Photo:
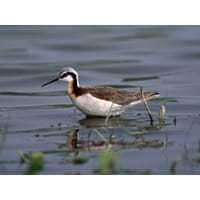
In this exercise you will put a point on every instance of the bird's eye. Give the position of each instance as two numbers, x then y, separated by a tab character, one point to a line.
63	75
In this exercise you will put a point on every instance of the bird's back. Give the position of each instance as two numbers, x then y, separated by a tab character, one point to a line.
121	97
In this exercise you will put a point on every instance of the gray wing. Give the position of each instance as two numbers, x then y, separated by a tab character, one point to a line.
121	97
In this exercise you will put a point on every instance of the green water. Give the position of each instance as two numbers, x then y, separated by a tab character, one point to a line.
35	119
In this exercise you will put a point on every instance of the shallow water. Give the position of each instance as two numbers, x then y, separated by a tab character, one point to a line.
32	119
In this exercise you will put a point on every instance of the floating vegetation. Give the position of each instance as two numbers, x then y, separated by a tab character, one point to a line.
34	160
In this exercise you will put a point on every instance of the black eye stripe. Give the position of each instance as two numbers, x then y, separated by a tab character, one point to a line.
63	75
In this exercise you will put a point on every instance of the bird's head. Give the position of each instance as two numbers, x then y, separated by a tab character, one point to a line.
67	74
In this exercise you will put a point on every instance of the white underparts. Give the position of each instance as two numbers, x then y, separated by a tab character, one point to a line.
93	106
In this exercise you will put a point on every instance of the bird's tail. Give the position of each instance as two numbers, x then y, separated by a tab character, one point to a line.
147	95
150	95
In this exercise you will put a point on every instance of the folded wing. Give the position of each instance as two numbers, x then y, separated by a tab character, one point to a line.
120	97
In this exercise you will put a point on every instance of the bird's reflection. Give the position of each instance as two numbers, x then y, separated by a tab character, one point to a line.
72	139
100	122
76	144
118	132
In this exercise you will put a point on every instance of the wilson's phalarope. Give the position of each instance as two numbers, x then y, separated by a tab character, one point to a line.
99	101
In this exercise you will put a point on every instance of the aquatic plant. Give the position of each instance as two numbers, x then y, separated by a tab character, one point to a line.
34	160
108	160
162	115
173	167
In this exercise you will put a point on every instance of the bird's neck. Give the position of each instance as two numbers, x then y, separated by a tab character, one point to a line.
73	87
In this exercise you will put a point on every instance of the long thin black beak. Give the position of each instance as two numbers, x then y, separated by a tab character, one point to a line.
54	80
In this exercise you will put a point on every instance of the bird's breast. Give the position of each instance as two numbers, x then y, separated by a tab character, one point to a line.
91	105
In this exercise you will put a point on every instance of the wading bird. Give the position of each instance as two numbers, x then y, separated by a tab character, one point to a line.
99	101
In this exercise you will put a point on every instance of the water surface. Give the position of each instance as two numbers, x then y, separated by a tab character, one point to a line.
32	119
